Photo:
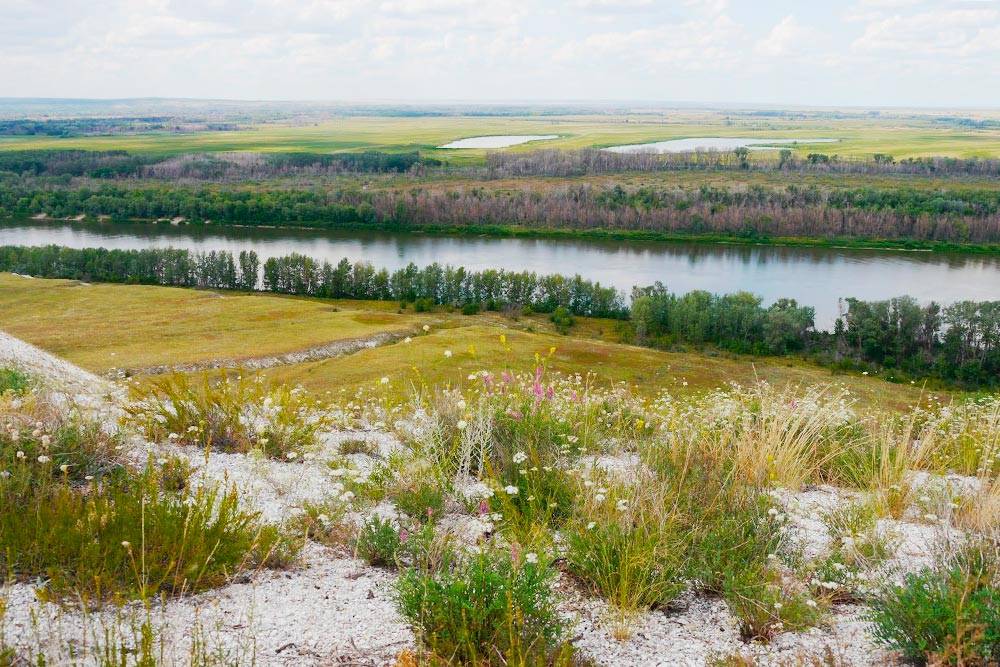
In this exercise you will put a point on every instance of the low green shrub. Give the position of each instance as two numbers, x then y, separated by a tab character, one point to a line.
380	542
13	381
470	308
489	609
948	613
563	319
421	499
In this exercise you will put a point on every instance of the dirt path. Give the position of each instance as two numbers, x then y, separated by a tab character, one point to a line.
337	348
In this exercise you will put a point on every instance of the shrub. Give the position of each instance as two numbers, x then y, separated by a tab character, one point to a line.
563	319
13	381
421	499
470	308
948	613
489	609
736	542
380	542
230	414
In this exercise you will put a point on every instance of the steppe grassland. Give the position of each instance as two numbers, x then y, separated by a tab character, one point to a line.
900	137
103	327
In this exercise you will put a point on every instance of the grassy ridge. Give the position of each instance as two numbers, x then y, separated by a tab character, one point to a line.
101	327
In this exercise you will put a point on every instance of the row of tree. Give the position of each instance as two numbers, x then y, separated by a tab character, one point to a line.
955	215
298	274
506	164
117	164
959	343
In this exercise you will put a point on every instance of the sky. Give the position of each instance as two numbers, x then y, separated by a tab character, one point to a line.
772	52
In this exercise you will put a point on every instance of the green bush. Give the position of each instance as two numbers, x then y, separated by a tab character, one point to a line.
949	613
487	610
470	308
563	319
13	381
380	542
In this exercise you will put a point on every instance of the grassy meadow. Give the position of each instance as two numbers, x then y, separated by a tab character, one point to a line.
903	136
105	327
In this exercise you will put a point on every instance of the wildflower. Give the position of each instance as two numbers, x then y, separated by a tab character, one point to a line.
778	605
347	496
447	354
404	535
531	557
193	429
43	459
461	425
599	497
290	455
161	462
621	505
811	604
20	454
407	340
426	328
126	544
511	490
384	380
591	525
520	457
64	468
89	478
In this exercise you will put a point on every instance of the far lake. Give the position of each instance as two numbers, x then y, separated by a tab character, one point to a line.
498	140
710	144
814	276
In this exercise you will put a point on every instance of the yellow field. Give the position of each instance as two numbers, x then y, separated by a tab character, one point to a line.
901	137
102	327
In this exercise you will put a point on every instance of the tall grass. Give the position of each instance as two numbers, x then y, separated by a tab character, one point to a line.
93	528
228	413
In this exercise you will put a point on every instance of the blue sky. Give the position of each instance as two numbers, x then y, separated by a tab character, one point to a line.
857	52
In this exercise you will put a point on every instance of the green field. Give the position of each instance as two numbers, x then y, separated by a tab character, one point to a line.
904	136
104	327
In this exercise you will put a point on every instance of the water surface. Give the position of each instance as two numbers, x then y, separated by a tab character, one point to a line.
498	140
814	276
710	144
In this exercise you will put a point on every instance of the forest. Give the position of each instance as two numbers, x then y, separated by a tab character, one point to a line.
955	216
958	344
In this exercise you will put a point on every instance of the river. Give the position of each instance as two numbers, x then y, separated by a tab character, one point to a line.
814	276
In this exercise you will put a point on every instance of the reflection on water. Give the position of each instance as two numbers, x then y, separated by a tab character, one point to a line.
814	276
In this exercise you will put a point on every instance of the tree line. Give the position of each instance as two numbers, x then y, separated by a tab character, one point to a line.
298	274
958	215
554	162
118	164
901	338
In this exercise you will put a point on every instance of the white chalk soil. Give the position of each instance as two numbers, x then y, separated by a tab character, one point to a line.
332	609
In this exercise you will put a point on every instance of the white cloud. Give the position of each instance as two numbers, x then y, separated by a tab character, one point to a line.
786	37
